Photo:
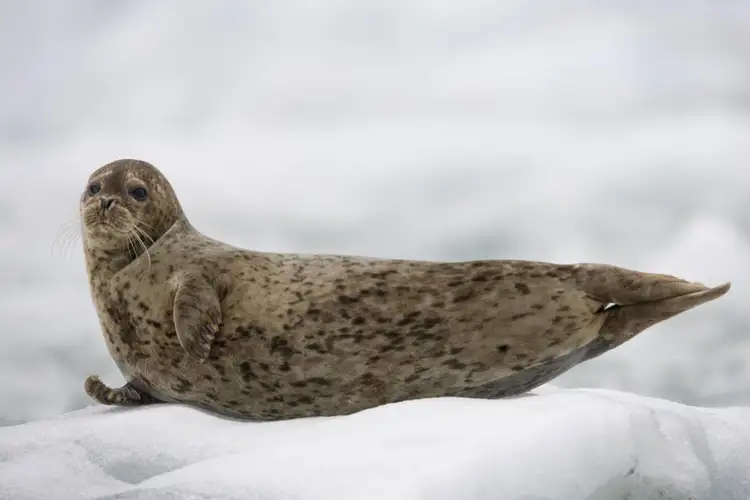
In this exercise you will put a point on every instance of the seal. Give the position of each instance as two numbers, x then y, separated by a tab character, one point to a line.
268	336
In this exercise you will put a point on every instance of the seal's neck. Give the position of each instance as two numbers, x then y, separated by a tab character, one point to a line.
106	257
103	263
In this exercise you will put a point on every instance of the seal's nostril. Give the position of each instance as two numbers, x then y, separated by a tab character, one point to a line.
107	203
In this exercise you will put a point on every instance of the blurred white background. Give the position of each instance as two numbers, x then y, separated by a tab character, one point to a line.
613	131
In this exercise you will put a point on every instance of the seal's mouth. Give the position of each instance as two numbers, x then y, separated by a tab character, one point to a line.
116	228
98	224
108	226
112	220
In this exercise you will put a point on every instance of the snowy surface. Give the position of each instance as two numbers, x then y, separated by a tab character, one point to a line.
552	445
608	131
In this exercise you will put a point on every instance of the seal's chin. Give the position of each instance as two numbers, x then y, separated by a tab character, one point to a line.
103	234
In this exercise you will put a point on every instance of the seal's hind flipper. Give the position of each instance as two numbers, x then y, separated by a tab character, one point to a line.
617	285
622	324
127	395
625	322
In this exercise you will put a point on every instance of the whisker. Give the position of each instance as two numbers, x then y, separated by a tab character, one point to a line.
137	223
132	250
66	237
148	254
72	240
144	234
142	223
145	248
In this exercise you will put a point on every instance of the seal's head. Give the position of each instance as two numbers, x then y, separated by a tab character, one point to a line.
127	204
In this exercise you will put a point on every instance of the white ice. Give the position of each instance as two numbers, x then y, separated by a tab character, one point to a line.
555	444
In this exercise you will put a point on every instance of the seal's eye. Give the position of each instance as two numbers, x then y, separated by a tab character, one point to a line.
139	193
94	188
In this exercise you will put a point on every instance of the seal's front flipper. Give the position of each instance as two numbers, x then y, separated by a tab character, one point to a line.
625	322
197	315
126	395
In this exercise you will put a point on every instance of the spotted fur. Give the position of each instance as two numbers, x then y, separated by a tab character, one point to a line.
268	336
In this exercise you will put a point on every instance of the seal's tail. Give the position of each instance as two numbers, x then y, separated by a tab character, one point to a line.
639	300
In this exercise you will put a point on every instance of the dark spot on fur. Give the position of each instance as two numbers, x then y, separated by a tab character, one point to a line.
248	331
430	322
246	371
319	381
317	348
408	318
182	386
280	345
479	278
523	288
454	364
463	298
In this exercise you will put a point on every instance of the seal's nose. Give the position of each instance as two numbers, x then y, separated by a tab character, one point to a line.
107	203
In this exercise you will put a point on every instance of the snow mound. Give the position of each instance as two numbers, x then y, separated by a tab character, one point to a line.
549	445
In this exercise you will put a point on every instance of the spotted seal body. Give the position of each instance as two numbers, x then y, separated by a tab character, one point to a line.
267	336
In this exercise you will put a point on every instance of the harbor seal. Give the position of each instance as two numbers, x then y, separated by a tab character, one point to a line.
269	336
